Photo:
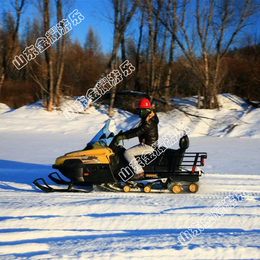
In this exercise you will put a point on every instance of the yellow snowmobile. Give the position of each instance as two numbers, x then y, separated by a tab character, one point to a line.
102	164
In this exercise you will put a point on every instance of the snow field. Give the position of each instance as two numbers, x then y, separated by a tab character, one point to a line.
105	225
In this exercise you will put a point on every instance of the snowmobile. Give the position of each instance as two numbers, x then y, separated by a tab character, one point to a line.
101	164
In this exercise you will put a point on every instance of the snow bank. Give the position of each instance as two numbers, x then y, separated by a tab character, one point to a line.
234	119
4	108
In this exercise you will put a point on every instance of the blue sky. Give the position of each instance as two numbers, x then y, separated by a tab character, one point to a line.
96	13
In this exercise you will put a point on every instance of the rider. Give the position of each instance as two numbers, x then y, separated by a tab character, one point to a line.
147	131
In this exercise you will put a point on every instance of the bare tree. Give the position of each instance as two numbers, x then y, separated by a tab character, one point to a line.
123	13
218	22
9	39
92	43
48	58
161	59
50	78
151	11
150	50
138	53
61	48
170	60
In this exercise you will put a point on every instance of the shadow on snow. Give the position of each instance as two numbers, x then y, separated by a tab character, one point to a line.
17	176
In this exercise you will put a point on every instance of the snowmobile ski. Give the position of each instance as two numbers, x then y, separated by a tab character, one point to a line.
47	188
57	179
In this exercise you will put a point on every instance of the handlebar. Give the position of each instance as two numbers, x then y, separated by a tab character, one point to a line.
114	142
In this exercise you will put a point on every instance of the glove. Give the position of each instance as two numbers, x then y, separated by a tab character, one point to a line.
119	137
116	139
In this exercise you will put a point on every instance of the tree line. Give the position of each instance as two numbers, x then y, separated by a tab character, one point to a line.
178	48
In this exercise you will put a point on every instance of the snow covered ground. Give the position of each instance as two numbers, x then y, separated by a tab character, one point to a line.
105	225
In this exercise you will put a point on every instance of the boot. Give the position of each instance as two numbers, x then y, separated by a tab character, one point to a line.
139	176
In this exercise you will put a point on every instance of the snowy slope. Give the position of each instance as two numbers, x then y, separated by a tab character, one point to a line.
103	225
214	123
206	122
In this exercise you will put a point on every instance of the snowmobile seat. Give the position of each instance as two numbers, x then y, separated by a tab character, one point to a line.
170	159
171	154
168	156
184	144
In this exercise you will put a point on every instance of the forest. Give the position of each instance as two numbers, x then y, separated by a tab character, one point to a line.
178	48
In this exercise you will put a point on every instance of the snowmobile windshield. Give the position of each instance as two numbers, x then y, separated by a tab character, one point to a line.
100	139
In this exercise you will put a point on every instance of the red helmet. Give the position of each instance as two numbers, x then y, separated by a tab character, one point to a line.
144	103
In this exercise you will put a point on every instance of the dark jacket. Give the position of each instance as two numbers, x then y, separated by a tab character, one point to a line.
147	131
